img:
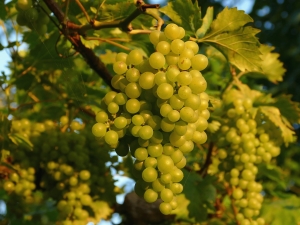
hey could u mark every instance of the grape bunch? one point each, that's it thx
(244, 141)
(66, 166)
(32, 16)
(160, 111)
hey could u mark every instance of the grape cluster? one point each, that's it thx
(68, 167)
(32, 17)
(160, 111)
(244, 141)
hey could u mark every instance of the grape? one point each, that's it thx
(171, 31)
(177, 46)
(192, 45)
(237, 193)
(132, 75)
(99, 129)
(111, 137)
(157, 60)
(135, 57)
(166, 195)
(165, 91)
(172, 58)
(146, 132)
(149, 174)
(165, 164)
(184, 78)
(150, 195)
(133, 106)
(184, 63)
(119, 67)
(172, 74)
(165, 208)
(141, 154)
(154, 37)
(133, 90)
(146, 80)
(163, 47)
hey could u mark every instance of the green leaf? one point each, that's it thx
(281, 211)
(240, 47)
(288, 108)
(236, 42)
(90, 43)
(272, 68)
(273, 173)
(274, 116)
(18, 139)
(184, 13)
(207, 19)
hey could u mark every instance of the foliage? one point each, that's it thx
(56, 171)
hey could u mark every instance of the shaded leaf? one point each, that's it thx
(273, 173)
(90, 43)
(18, 139)
(288, 108)
(184, 13)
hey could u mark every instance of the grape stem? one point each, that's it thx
(203, 170)
(234, 78)
(234, 209)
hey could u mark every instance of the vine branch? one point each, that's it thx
(203, 170)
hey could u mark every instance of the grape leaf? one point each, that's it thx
(19, 139)
(288, 108)
(272, 68)
(236, 42)
(90, 43)
(184, 13)
(207, 20)
(240, 47)
(274, 116)
(281, 211)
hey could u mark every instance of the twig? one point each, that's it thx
(234, 209)
(108, 41)
(203, 170)
(83, 10)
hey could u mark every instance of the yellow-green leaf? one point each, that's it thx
(274, 115)
(90, 43)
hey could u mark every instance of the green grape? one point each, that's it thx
(120, 67)
(150, 162)
(157, 60)
(165, 164)
(176, 188)
(186, 114)
(149, 174)
(171, 31)
(150, 195)
(165, 109)
(187, 53)
(177, 46)
(192, 45)
(146, 132)
(138, 120)
(154, 37)
(199, 62)
(116, 81)
(99, 130)
(157, 185)
(166, 195)
(120, 99)
(165, 208)
(133, 106)
(113, 107)
(8, 186)
(168, 149)
(166, 125)
(174, 116)
(193, 101)
(172, 58)
(132, 75)
(177, 175)
(146, 80)
(86, 199)
(188, 146)
(121, 56)
(133, 90)
(157, 137)
(198, 85)
(154, 122)
(181, 32)
(111, 137)
(184, 63)
(160, 78)
(141, 154)
(165, 91)
(163, 47)
(176, 139)
(180, 127)
(109, 97)
(155, 150)
(134, 57)
(184, 91)
(176, 102)
(24, 4)
(174, 204)
(172, 74)
(237, 193)
(120, 122)
(184, 78)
